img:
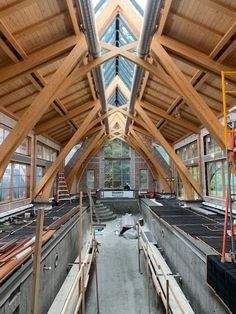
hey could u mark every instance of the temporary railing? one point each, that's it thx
(71, 297)
(164, 281)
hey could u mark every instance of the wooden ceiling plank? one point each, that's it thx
(15, 6)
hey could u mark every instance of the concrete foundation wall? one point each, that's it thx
(119, 206)
(189, 261)
(15, 293)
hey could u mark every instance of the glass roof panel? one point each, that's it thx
(98, 4)
(117, 98)
(118, 34)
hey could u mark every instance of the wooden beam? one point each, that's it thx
(191, 96)
(38, 107)
(73, 141)
(73, 16)
(45, 126)
(163, 114)
(170, 151)
(199, 77)
(39, 58)
(81, 71)
(164, 15)
(201, 60)
(97, 140)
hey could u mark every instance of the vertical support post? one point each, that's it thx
(139, 250)
(34, 161)
(37, 260)
(96, 271)
(80, 228)
(82, 290)
(167, 297)
(90, 209)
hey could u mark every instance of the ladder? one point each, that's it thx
(62, 188)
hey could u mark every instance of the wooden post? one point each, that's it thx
(37, 260)
(90, 209)
(80, 228)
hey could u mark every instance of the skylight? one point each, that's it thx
(118, 34)
(117, 98)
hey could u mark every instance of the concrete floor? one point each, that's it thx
(121, 288)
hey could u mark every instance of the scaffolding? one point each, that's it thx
(229, 88)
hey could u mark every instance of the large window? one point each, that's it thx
(143, 179)
(216, 178)
(189, 151)
(14, 184)
(22, 149)
(210, 145)
(90, 179)
(116, 164)
(39, 173)
(46, 153)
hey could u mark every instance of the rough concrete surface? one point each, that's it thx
(121, 288)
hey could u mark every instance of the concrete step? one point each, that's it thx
(101, 208)
(101, 216)
(104, 211)
(107, 218)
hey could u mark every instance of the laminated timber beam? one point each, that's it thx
(182, 169)
(38, 58)
(45, 126)
(163, 114)
(47, 180)
(39, 106)
(97, 139)
(191, 96)
(187, 187)
(199, 59)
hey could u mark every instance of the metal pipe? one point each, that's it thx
(88, 18)
(150, 19)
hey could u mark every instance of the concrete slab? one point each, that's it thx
(122, 290)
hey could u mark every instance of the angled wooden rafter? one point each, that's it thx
(97, 140)
(148, 124)
(191, 96)
(39, 106)
(47, 180)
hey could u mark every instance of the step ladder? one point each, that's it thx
(62, 188)
(93, 209)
